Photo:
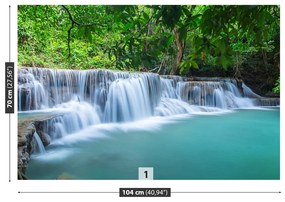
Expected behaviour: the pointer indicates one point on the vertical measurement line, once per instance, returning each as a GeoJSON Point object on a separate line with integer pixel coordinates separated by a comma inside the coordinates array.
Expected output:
{"type": "Point", "coordinates": [13, 86]}
{"type": "Point", "coordinates": [9, 147]}
{"type": "Point", "coordinates": [9, 33]}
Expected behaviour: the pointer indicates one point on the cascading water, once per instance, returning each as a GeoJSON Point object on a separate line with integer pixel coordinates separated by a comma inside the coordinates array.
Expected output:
{"type": "Point", "coordinates": [222, 94]}
{"type": "Point", "coordinates": [77, 115]}
{"type": "Point", "coordinates": [39, 145]}
{"type": "Point", "coordinates": [132, 99]}
{"type": "Point", "coordinates": [99, 96]}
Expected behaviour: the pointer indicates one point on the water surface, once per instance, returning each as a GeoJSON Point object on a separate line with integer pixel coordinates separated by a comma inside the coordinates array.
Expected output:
{"type": "Point", "coordinates": [243, 144]}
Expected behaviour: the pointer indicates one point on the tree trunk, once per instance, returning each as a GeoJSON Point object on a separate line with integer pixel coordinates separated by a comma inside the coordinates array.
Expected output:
{"type": "Point", "coordinates": [180, 49]}
{"type": "Point", "coordinates": [238, 79]}
{"type": "Point", "coordinates": [265, 60]}
{"type": "Point", "coordinates": [237, 75]}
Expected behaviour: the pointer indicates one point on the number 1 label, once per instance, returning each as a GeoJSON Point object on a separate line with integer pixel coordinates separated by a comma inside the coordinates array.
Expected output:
{"type": "Point", "coordinates": [145, 173]}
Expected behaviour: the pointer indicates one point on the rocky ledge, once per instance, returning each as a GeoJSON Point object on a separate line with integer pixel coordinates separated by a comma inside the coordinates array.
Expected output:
{"type": "Point", "coordinates": [28, 124]}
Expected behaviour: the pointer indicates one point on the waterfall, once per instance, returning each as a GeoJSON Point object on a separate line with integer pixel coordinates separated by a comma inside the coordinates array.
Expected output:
{"type": "Point", "coordinates": [168, 89]}
{"type": "Point", "coordinates": [31, 93]}
{"type": "Point", "coordinates": [77, 115]}
{"type": "Point", "coordinates": [88, 97]}
{"type": "Point", "coordinates": [130, 99]}
{"type": "Point", "coordinates": [223, 94]}
{"type": "Point", "coordinates": [248, 92]}
{"type": "Point", "coordinates": [39, 145]}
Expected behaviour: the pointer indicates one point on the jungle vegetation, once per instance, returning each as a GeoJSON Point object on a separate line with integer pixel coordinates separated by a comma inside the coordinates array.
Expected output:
{"type": "Point", "coordinates": [187, 40]}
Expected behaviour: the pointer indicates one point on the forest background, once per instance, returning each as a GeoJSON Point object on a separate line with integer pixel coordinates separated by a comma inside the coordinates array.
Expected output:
{"type": "Point", "coordinates": [210, 41]}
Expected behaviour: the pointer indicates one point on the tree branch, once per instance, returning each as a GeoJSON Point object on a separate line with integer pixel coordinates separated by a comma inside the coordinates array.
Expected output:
{"type": "Point", "coordinates": [152, 70]}
{"type": "Point", "coordinates": [69, 15]}
{"type": "Point", "coordinates": [73, 23]}
{"type": "Point", "coordinates": [69, 30]}
{"type": "Point", "coordinates": [68, 38]}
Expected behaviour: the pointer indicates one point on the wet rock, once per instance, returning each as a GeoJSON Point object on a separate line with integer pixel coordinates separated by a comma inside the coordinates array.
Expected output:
{"type": "Point", "coordinates": [45, 138]}
{"type": "Point", "coordinates": [27, 126]}
{"type": "Point", "coordinates": [268, 101]}
{"type": "Point", "coordinates": [25, 134]}
{"type": "Point", "coordinates": [271, 94]}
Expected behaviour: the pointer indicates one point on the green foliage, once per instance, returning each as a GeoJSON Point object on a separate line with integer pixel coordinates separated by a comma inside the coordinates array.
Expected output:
{"type": "Point", "coordinates": [187, 64]}
{"type": "Point", "coordinates": [170, 15]}
{"type": "Point", "coordinates": [143, 37]}
{"type": "Point", "coordinates": [276, 89]}
{"type": "Point", "coordinates": [229, 30]}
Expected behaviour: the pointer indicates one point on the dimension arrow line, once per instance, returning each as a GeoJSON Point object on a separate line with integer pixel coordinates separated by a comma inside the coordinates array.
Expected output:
{"type": "Point", "coordinates": [67, 192]}
{"type": "Point", "coordinates": [9, 147]}
{"type": "Point", "coordinates": [9, 33]}
{"type": "Point", "coordinates": [227, 192]}
{"type": "Point", "coordinates": [175, 192]}
{"type": "Point", "coordinates": [9, 113]}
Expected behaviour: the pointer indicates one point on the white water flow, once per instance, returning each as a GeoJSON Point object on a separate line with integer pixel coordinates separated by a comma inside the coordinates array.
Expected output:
{"type": "Point", "coordinates": [89, 97]}
{"type": "Point", "coordinates": [39, 145]}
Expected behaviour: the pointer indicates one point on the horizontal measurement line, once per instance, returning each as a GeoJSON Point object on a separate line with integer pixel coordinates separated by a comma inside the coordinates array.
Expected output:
{"type": "Point", "coordinates": [67, 192]}
{"type": "Point", "coordinates": [175, 192]}
{"type": "Point", "coordinates": [226, 192]}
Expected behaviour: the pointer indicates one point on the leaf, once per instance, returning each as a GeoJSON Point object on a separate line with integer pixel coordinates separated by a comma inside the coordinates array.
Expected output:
{"type": "Point", "coordinates": [222, 46]}
{"type": "Point", "coordinates": [89, 36]}
{"type": "Point", "coordinates": [146, 17]}
{"type": "Point", "coordinates": [169, 40]}
{"type": "Point", "coordinates": [186, 11]}
{"type": "Point", "coordinates": [194, 64]}
{"type": "Point", "coordinates": [183, 33]}
{"type": "Point", "coordinates": [187, 64]}
{"type": "Point", "coordinates": [81, 31]}
{"type": "Point", "coordinates": [224, 60]}
{"type": "Point", "coordinates": [171, 15]}
{"type": "Point", "coordinates": [128, 26]}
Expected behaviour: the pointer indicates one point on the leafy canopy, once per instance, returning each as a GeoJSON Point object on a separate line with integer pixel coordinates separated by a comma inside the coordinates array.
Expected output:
{"type": "Point", "coordinates": [143, 37]}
